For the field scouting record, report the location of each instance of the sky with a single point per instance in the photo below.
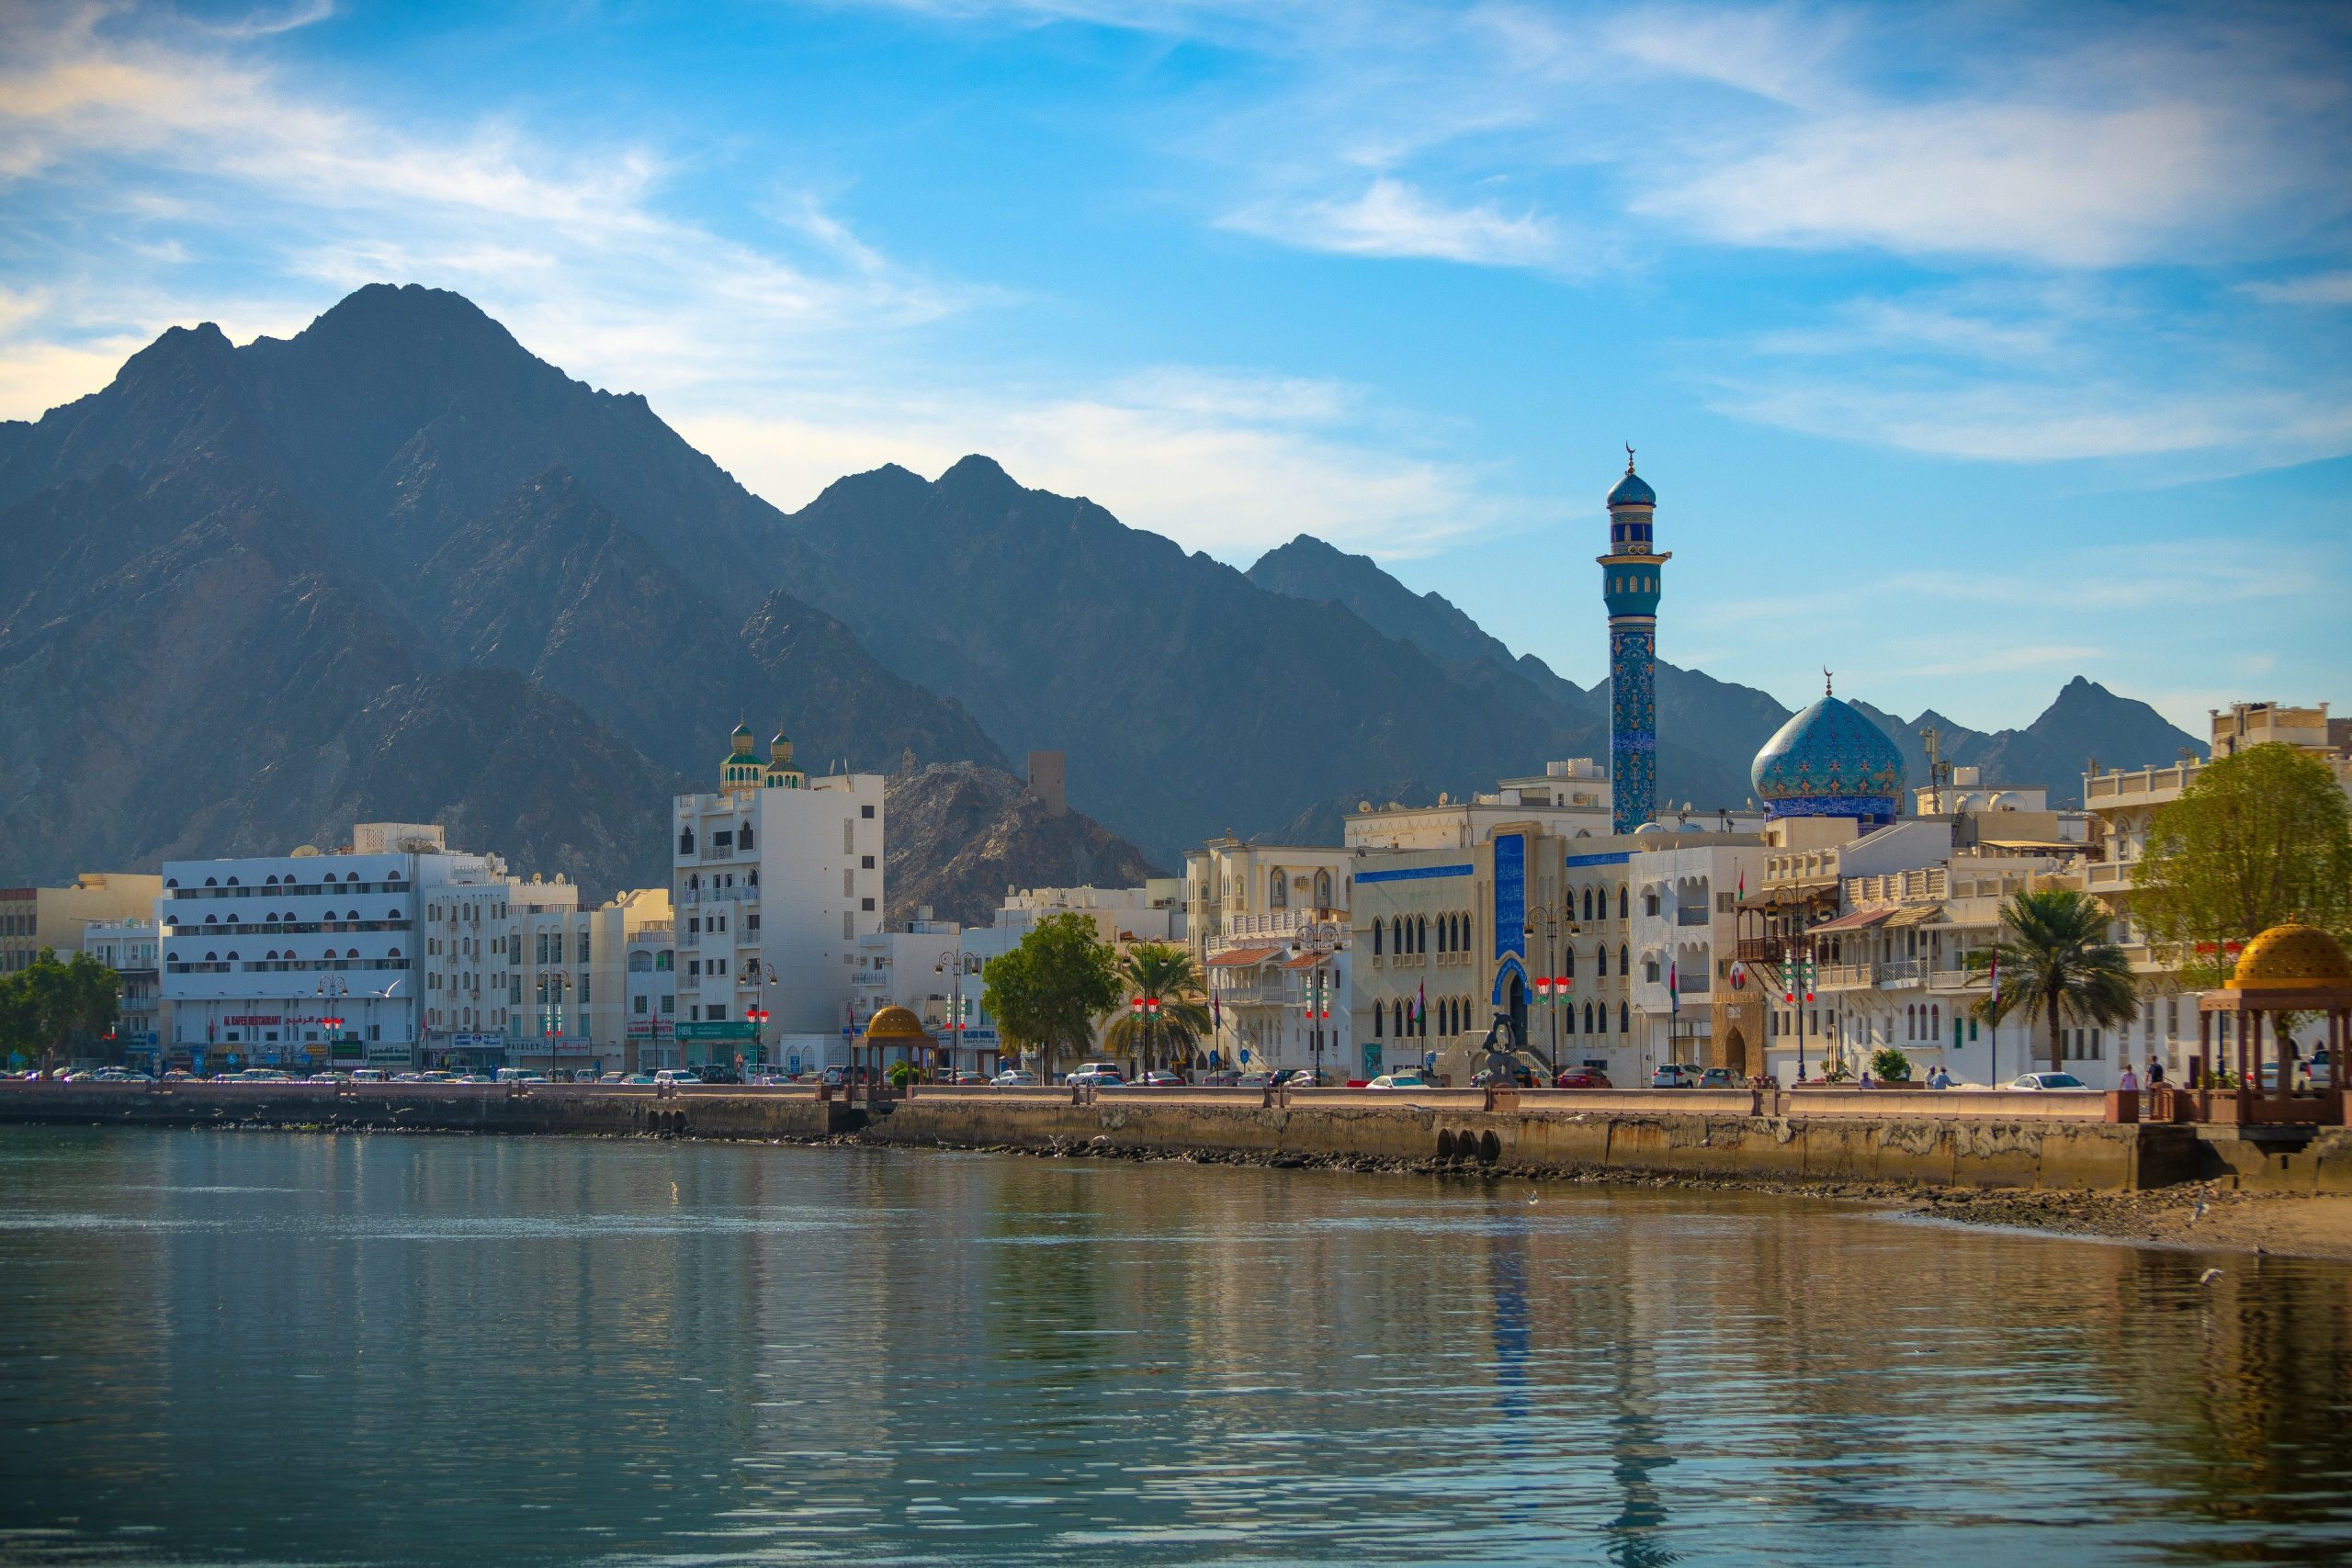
(1969, 348)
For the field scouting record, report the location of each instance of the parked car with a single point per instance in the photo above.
(1516, 1074)
(1011, 1077)
(678, 1076)
(1224, 1077)
(2035, 1082)
(1254, 1080)
(643, 1080)
(368, 1075)
(1582, 1077)
(1160, 1078)
(1720, 1077)
(1102, 1075)
(966, 1079)
(1401, 1080)
(1675, 1075)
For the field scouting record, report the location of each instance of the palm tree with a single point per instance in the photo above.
(2056, 960)
(1156, 969)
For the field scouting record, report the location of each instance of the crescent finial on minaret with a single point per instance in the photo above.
(1829, 685)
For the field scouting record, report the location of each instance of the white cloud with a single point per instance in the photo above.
(571, 246)
(1212, 460)
(1394, 219)
(2317, 288)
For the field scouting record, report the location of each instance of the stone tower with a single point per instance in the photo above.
(1632, 574)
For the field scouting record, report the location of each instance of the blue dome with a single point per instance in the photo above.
(1633, 490)
(1829, 762)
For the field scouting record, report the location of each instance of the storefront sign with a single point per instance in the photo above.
(731, 1029)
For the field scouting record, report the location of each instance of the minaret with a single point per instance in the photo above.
(1631, 578)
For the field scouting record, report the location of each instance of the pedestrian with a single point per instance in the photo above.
(1866, 1079)
(2155, 1072)
(1939, 1078)
(2130, 1082)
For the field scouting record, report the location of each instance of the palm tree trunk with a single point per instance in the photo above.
(2057, 1039)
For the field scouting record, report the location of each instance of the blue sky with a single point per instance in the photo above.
(1969, 348)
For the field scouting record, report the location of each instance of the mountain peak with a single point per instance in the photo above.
(978, 472)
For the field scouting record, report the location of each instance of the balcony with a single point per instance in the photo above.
(2113, 876)
(2142, 787)
(1688, 915)
(1894, 973)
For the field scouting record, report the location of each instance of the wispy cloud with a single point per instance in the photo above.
(2317, 288)
(1218, 462)
(571, 245)
(1392, 218)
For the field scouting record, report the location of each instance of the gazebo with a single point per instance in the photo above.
(2292, 968)
(896, 1028)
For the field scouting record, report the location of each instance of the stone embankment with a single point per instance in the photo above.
(2080, 1142)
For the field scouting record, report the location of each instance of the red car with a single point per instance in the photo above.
(1582, 1077)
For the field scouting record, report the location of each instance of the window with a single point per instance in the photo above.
(743, 839)
(685, 840)
(1649, 904)
(866, 862)
(1376, 929)
(1323, 890)
(1624, 959)
(1623, 895)
(1601, 962)
(1587, 903)
(1378, 1017)
(866, 812)
(1422, 936)
(1649, 970)
(866, 905)
(668, 1005)
(1624, 1018)
(694, 968)
(847, 887)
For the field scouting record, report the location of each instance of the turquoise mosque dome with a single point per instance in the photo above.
(1830, 762)
(1633, 489)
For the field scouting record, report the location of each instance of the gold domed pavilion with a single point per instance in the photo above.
(2290, 968)
(896, 1024)
(2292, 956)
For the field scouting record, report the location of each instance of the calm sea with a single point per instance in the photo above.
(272, 1348)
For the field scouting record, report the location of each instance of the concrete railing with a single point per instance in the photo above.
(1991, 1104)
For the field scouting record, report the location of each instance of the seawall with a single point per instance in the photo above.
(1959, 1140)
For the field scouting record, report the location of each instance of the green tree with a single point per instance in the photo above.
(1160, 969)
(1890, 1066)
(48, 1006)
(2260, 838)
(1046, 993)
(2056, 960)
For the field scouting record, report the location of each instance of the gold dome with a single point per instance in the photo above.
(2292, 955)
(896, 1023)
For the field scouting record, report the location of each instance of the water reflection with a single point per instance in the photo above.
(275, 1347)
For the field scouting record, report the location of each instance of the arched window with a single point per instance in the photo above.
(743, 839)
(351, 952)
(232, 953)
(1568, 1024)
(1379, 1015)
(1587, 903)
(1587, 1018)
(212, 882)
(1911, 1023)
(351, 914)
(1935, 1021)
(1625, 901)
(1377, 931)
(1277, 890)
(1396, 1015)
(212, 958)
(1625, 1018)
(233, 881)
(1396, 934)
(270, 881)
(1421, 940)
(1323, 888)
(685, 840)
(394, 952)
(1601, 962)
(1624, 954)
(270, 956)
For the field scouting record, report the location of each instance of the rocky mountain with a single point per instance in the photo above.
(397, 566)
(1306, 567)
(961, 834)
(272, 584)
(1187, 697)
(1727, 723)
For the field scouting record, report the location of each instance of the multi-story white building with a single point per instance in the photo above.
(775, 878)
(1688, 989)
(650, 985)
(306, 958)
(1267, 922)
(1153, 912)
(128, 947)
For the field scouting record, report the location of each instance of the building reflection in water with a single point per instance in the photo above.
(280, 1345)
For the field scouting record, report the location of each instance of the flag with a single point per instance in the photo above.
(1996, 979)
(1421, 1000)
(1217, 1013)
(1742, 882)
(1674, 988)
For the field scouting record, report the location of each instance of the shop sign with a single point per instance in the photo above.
(730, 1030)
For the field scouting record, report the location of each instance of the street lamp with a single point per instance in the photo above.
(1320, 938)
(951, 964)
(1554, 921)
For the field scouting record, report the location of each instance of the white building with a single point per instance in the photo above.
(1153, 912)
(775, 878)
(305, 959)
(1686, 982)
(128, 947)
(1265, 920)
(1568, 798)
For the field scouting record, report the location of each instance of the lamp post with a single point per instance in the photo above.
(551, 1013)
(1318, 940)
(951, 964)
(1554, 921)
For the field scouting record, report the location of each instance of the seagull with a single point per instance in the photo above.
(2207, 1276)
(1534, 1196)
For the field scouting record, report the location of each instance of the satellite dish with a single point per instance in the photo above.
(1363, 805)
(1443, 799)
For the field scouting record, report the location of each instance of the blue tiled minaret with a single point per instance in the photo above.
(1632, 574)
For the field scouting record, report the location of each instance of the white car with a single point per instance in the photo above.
(679, 1076)
(1015, 1078)
(1399, 1080)
(2035, 1082)
(1097, 1073)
